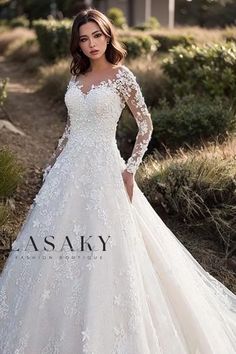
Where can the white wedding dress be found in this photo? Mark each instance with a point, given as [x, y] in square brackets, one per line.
[120, 282]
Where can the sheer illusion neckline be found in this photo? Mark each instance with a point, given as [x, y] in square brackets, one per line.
[101, 83]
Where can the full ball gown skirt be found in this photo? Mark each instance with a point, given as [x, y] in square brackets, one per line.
[117, 281]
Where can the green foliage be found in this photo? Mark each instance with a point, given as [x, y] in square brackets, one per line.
[117, 17]
[4, 22]
[191, 119]
[20, 21]
[11, 174]
[207, 70]
[206, 13]
[53, 37]
[168, 41]
[139, 45]
[35, 9]
[151, 24]
[3, 91]
[153, 83]
[4, 213]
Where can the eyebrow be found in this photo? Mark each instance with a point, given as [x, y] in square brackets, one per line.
[84, 35]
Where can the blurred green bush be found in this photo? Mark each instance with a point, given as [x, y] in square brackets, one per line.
[191, 119]
[53, 37]
[117, 17]
[207, 70]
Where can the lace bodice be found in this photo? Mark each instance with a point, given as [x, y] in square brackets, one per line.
[95, 113]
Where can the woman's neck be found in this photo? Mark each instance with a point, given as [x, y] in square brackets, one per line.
[99, 65]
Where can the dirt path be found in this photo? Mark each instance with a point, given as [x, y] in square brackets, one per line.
[42, 122]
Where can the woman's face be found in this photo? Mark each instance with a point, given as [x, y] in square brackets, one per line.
[92, 38]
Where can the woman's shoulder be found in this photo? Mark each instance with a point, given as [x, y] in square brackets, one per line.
[125, 72]
[122, 67]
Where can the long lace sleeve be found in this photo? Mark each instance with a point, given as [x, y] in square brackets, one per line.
[61, 143]
[63, 140]
[133, 97]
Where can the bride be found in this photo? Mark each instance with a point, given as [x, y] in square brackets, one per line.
[94, 269]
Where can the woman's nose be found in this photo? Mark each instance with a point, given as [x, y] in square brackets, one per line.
[91, 43]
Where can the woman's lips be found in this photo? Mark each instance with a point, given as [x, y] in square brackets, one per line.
[94, 51]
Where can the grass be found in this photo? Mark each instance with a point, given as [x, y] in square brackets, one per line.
[11, 175]
[198, 186]
[54, 79]
[20, 45]
[14, 38]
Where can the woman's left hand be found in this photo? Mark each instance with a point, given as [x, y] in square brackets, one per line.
[128, 179]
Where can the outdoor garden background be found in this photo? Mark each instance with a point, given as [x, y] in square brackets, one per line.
[188, 78]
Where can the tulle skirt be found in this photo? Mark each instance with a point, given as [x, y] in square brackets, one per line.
[91, 272]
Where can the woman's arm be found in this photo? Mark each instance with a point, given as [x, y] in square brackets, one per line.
[132, 95]
[61, 143]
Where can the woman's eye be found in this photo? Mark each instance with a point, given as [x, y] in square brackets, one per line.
[96, 35]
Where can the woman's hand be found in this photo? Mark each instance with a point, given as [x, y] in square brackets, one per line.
[128, 179]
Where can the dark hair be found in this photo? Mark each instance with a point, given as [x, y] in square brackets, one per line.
[115, 51]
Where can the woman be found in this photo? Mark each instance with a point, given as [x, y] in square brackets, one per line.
[98, 271]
